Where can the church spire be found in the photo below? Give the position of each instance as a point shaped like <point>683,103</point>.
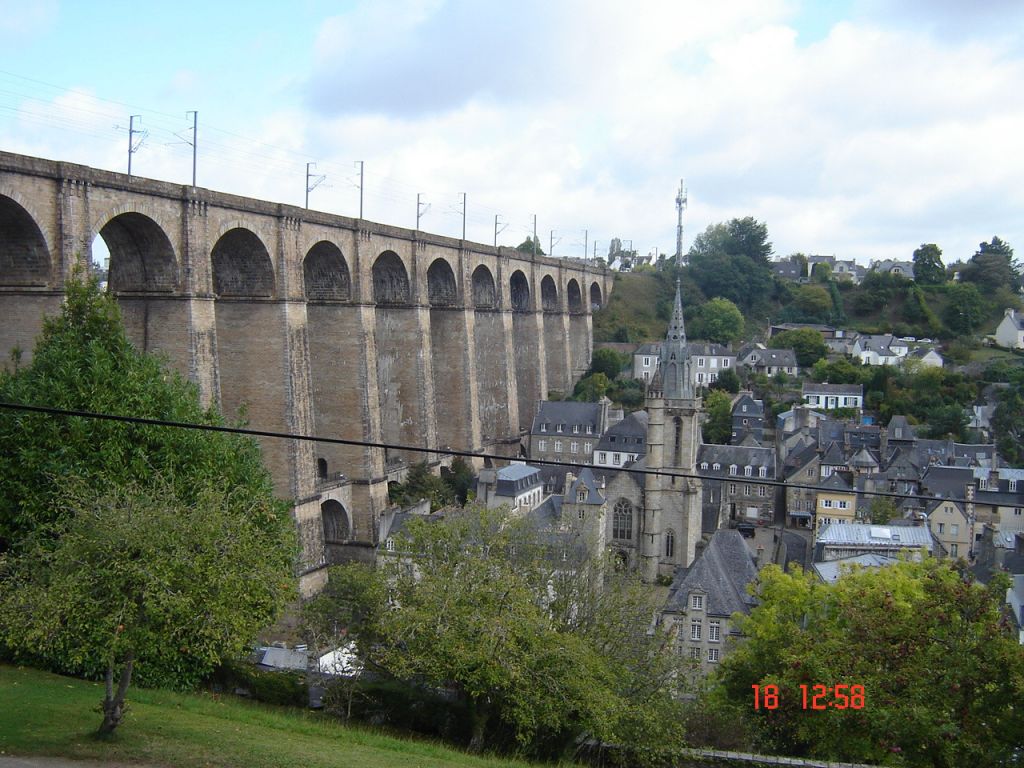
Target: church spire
<point>675,356</point>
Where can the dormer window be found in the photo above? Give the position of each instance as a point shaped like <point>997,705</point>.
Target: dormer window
<point>732,469</point>
<point>703,465</point>
<point>1013,486</point>
<point>560,427</point>
<point>716,466</point>
<point>575,429</point>
<point>697,602</point>
<point>747,471</point>
<point>590,429</point>
<point>763,472</point>
<point>389,544</point>
<point>581,496</point>
<point>543,427</point>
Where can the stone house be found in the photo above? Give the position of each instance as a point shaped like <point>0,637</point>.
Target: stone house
<point>951,525</point>
<point>704,597</point>
<point>736,470</point>
<point>623,443</point>
<point>564,430</point>
<point>708,360</point>
<point>759,359</point>
<point>747,418</point>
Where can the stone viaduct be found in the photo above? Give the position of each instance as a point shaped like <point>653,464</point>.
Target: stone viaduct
<point>315,323</point>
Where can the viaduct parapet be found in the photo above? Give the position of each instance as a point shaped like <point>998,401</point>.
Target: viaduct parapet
<point>314,323</point>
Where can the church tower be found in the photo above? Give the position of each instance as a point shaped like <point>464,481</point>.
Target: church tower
<point>672,505</point>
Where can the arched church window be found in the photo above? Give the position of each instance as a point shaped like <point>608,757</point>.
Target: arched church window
<point>670,543</point>
<point>679,442</point>
<point>622,520</point>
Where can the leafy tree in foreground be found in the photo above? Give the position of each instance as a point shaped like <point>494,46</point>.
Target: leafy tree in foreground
<point>534,645</point>
<point>84,361</point>
<point>94,580</point>
<point>942,671</point>
<point>728,381</point>
<point>140,581</point>
<point>609,362</point>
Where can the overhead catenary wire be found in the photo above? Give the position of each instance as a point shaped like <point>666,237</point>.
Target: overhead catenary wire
<point>447,451</point>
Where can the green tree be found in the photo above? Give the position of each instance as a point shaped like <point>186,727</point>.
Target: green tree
<point>728,380</point>
<point>807,343</point>
<point>1008,424</point>
<point>965,309</point>
<point>84,361</point>
<point>881,510</point>
<point>731,261</point>
<point>141,581</point>
<point>947,421</point>
<point>717,426</point>
<point>928,267</point>
<point>940,666</point>
<point>718,320</point>
<point>813,301</point>
<point>552,653</point>
<point>821,272</point>
<point>609,362</point>
<point>591,388</point>
<point>420,483</point>
<point>993,266</point>
<point>531,245</point>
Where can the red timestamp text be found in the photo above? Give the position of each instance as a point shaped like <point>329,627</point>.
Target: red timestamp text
<point>839,696</point>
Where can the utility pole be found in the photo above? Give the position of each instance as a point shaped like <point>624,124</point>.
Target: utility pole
<point>132,146</point>
<point>535,236</point>
<point>317,181</point>
<point>194,142</point>
<point>585,243</point>
<point>360,164</point>
<point>595,251</point>
<point>552,242</point>
<point>421,209</point>
<point>463,215</point>
<point>497,231</point>
<point>680,207</point>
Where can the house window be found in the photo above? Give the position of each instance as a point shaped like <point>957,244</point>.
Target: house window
<point>954,529</point>
<point>695,629</point>
<point>714,630</point>
<point>1013,486</point>
<point>700,377</point>
<point>732,488</point>
<point>587,447</point>
<point>942,527</point>
<point>602,456</point>
<point>616,458</point>
<point>697,604</point>
<point>580,514</point>
<point>713,654</point>
<point>761,490</point>
<point>842,504</point>
<point>670,543</point>
<point>647,361</point>
<point>762,472</point>
<point>389,544</point>
<point>725,363</point>
<point>581,496</point>
<point>732,469</point>
<point>558,446</point>
<point>622,520</point>
<point>747,471</point>
<point>953,550</point>
<point>560,427</point>
<point>543,427</point>
<point>542,445</point>
<point>590,429</point>
<point>827,503</point>
<point>695,653</point>
<point>716,466</point>
<point>703,465</point>
<point>810,472</point>
<point>1016,511</point>
<point>700,362</point>
<point>574,447</point>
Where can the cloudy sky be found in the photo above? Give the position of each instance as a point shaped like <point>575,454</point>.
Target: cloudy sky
<point>861,128</point>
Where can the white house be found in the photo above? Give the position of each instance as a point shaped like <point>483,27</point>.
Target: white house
<point>1010,331</point>
<point>829,396</point>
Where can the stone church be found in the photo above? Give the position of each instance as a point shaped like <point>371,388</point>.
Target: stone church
<point>654,520</point>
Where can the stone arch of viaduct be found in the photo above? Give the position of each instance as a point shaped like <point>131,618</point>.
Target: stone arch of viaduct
<point>315,323</point>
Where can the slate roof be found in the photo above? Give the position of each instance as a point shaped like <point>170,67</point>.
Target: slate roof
<point>754,407</point>
<point>796,461</point>
<point>740,455</point>
<point>722,572</point>
<point>948,482</point>
<point>811,388</point>
<point>834,455</point>
<point>627,432</point>
<point>862,534</point>
<point>772,357</point>
<point>587,482</point>
<point>836,482</point>
<point>567,412</point>
<point>651,348</point>
<point>830,570</point>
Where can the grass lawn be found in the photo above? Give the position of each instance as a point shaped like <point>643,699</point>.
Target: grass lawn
<point>44,714</point>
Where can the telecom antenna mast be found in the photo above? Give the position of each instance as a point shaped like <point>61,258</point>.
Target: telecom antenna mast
<point>680,207</point>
